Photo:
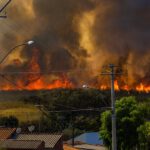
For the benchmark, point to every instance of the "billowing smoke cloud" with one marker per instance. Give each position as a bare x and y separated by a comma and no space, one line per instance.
122,31
75,34
58,31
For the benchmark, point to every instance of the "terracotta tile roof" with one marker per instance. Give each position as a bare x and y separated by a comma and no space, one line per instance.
49,139
6,133
15,144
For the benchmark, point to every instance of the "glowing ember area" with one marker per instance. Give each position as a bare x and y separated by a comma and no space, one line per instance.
34,80
106,87
38,81
40,85
142,87
74,41
116,86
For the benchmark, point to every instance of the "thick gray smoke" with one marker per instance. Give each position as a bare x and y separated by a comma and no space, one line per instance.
120,35
58,32
122,28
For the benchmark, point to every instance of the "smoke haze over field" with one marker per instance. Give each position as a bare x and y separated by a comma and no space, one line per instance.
79,34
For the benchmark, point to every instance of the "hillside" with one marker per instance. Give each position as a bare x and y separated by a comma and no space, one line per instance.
23,112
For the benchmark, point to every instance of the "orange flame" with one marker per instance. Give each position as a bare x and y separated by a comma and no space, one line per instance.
106,87
39,82
116,86
143,88
140,88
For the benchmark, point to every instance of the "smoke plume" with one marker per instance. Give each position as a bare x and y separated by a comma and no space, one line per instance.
80,36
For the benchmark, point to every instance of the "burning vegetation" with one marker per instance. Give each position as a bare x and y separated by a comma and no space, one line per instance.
74,40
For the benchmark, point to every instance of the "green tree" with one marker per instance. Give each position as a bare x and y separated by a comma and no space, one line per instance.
105,129
144,136
10,121
129,118
68,99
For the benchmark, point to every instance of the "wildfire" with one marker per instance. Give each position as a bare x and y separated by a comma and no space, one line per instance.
106,87
40,84
116,86
38,81
142,88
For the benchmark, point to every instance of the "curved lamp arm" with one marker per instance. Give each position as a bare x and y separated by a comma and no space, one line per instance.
27,43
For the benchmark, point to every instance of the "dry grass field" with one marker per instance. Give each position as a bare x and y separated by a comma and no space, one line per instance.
23,112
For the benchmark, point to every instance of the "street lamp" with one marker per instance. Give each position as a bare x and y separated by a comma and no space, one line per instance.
30,42
26,43
85,86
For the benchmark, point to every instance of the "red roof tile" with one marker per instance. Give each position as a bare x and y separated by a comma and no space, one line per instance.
49,139
6,133
15,144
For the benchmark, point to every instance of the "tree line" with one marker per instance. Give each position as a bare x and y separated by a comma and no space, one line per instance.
57,105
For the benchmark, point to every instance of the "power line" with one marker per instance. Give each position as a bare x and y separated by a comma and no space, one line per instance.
71,111
49,71
81,110
10,81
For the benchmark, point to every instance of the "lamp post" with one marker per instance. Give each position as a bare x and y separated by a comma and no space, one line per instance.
26,43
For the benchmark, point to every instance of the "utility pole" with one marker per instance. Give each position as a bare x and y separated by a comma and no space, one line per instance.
73,130
113,106
114,136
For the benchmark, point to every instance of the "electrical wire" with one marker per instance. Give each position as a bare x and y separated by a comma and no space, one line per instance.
13,83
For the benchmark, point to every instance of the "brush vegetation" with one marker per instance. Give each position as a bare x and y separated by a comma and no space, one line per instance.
46,119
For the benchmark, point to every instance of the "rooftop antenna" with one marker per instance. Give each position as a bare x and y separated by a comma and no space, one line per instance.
31,128
18,130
